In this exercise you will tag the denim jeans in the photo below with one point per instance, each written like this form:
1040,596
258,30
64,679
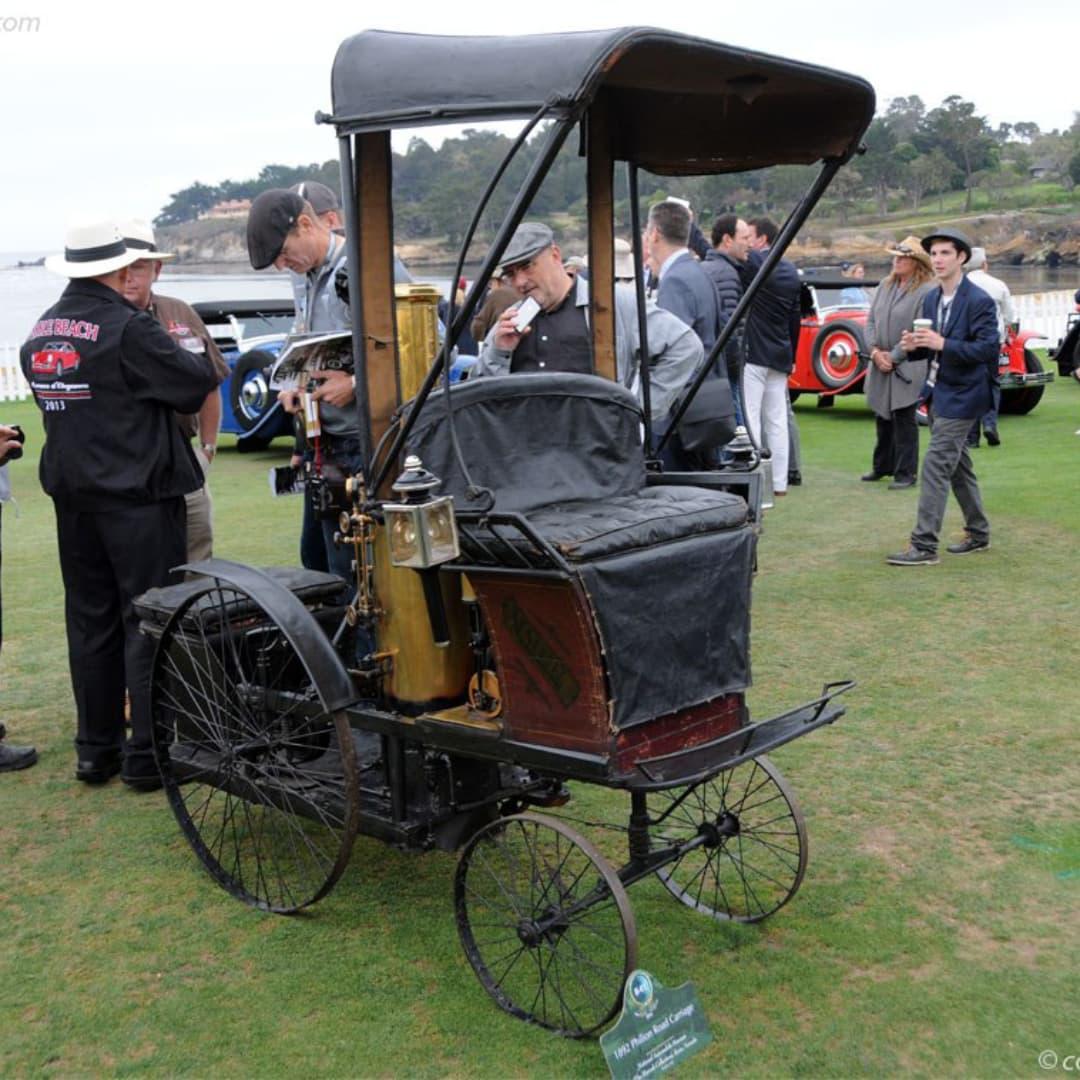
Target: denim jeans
989,419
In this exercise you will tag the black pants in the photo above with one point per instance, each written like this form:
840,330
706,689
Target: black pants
107,559
897,450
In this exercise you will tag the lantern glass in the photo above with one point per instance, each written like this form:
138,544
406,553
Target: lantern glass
422,535
441,530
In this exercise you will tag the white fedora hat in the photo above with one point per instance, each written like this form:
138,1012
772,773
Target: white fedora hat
138,235
92,249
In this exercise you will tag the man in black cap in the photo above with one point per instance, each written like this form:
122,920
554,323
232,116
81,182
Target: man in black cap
958,334
285,232
558,339
108,379
324,202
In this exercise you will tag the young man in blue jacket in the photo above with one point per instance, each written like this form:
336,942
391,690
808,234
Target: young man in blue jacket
962,344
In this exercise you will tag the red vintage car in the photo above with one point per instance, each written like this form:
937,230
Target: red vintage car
832,356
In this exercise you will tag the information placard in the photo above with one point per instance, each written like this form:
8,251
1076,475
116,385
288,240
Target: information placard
657,1029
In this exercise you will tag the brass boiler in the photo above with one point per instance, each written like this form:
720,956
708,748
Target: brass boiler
421,673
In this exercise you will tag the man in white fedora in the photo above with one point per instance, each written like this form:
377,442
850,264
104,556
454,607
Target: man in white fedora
108,379
183,324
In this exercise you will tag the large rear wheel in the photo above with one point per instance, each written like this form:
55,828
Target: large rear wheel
260,777
545,923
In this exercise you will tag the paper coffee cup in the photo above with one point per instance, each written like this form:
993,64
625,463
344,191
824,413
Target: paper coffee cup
922,324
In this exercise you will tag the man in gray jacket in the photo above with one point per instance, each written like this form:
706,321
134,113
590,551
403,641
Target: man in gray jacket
558,339
284,231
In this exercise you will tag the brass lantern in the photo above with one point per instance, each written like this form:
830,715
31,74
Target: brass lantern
421,529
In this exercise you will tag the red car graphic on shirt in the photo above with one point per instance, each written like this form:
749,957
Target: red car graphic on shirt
56,359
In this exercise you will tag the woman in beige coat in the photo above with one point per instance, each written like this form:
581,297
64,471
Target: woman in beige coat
893,382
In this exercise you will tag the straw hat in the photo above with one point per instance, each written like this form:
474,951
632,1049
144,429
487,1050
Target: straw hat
911,246
139,237
92,249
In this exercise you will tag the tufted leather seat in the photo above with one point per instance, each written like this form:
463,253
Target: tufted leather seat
657,515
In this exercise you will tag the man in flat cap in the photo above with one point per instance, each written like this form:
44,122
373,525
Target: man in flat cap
183,324
108,380
284,231
327,206
959,336
559,339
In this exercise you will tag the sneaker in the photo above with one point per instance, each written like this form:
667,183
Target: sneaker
899,485
914,557
992,438
968,546
872,477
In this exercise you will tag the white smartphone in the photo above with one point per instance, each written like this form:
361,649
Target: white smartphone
525,314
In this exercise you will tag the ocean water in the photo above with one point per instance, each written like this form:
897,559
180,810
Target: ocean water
25,292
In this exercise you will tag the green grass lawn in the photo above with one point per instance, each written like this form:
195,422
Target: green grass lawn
937,930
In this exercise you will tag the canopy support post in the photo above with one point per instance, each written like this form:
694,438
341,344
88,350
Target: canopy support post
600,177
642,313
375,218
356,313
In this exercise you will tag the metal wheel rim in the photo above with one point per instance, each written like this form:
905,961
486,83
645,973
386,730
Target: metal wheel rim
257,850
254,397
753,874
560,875
839,355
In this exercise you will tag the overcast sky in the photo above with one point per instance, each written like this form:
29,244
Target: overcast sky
108,108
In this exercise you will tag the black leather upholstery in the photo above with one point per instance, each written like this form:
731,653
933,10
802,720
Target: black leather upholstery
656,515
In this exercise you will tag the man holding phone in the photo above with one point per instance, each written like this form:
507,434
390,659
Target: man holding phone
958,333
557,337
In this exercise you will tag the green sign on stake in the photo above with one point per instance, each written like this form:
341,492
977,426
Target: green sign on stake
657,1029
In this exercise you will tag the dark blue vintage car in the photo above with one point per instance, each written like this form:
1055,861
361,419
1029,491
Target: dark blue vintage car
250,334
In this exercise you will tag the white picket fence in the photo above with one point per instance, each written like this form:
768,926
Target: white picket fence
13,386
1046,313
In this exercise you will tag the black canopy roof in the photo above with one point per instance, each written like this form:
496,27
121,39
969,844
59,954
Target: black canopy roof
681,105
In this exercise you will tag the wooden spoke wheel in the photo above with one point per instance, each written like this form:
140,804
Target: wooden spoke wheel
545,923
754,855
261,779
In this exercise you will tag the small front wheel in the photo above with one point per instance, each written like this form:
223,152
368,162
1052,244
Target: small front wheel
753,856
546,923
